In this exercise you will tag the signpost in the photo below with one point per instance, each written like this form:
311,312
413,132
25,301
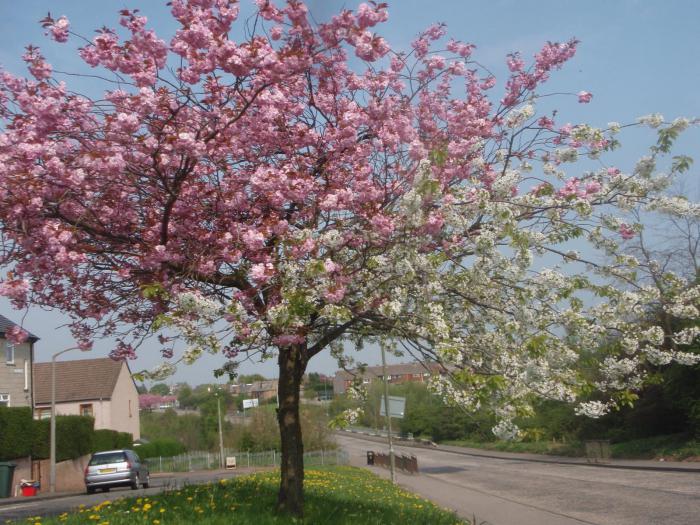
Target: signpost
249,403
397,407
387,411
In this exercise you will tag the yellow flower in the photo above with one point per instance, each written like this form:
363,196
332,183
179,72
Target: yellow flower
147,507
156,522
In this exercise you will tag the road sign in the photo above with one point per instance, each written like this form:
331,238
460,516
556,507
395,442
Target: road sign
397,406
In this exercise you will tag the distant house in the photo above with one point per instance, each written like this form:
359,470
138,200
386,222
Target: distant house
101,388
261,390
15,368
402,373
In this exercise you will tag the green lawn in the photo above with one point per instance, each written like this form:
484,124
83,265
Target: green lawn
339,495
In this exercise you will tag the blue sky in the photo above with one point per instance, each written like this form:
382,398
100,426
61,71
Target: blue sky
636,57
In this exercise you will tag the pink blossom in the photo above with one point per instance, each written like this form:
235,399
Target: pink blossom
584,97
329,266
16,290
593,187
276,33
382,225
626,231
282,341
335,295
59,30
261,272
17,335
122,352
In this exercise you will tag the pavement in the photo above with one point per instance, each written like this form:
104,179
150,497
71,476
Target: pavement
166,478
629,464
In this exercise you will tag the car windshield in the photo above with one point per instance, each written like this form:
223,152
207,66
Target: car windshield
103,459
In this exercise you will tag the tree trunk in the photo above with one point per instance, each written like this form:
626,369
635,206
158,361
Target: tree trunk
292,363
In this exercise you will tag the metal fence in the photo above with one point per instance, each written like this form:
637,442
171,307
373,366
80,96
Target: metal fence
198,460
401,461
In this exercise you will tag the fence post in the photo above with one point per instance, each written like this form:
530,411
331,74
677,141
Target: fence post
189,461
321,457
248,454
274,460
160,461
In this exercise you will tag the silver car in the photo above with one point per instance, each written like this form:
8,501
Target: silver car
115,468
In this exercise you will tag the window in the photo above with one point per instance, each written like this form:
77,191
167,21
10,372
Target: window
4,400
86,410
43,413
9,353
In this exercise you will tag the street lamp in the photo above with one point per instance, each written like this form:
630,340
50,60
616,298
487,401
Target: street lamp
221,435
52,437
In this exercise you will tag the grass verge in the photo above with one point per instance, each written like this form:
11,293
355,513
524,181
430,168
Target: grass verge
339,495
676,447
531,447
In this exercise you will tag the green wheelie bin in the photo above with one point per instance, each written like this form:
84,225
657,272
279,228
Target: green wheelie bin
7,472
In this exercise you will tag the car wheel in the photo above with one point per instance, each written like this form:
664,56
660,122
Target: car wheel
147,482
135,484
90,490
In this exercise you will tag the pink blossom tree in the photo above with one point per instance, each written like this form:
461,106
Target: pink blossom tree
262,195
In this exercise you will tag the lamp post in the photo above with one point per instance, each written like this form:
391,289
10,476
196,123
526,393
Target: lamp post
52,436
221,434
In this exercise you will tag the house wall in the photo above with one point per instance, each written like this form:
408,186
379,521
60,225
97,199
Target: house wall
100,411
125,405
14,377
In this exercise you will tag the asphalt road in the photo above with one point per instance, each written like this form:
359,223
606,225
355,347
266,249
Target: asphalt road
508,492
22,508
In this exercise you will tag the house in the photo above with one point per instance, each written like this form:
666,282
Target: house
261,390
401,373
102,388
15,368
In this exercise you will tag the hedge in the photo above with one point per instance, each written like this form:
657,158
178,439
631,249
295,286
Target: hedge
105,439
16,432
74,437
22,436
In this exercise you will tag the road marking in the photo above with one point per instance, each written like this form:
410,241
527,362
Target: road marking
19,506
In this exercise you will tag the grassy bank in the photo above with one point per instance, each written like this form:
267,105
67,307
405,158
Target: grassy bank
675,447
340,495
530,447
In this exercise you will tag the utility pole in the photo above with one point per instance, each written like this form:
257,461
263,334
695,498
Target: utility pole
388,418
